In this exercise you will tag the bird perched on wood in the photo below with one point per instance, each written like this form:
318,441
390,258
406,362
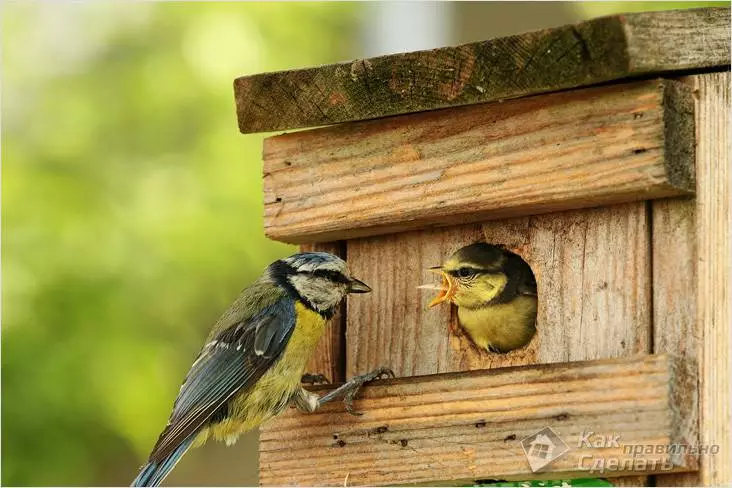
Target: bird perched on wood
251,366
495,294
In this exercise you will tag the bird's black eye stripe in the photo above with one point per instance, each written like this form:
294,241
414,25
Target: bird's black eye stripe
467,272
335,276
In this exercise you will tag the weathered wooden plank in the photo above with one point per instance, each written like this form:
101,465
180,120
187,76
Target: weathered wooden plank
675,325
593,276
470,425
582,54
568,150
707,40
329,356
713,272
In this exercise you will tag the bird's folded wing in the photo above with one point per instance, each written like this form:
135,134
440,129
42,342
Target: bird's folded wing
235,360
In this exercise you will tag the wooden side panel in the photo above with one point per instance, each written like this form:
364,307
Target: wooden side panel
675,326
593,274
536,155
714,281
467,426
329,357
692,286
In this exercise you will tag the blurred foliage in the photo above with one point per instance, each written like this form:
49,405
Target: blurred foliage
597,9
132,212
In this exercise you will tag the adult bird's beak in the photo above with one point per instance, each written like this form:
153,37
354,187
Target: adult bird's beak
446,289
358,286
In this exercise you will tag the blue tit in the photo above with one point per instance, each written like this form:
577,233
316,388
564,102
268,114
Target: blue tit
495,294
251,366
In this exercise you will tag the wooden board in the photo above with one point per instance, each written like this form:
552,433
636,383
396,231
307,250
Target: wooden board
468,426
675,325
582,54
593,274
713,273
692,285
329,356
568,150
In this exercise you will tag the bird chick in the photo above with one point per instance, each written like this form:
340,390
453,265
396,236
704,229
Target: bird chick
252,364
495,294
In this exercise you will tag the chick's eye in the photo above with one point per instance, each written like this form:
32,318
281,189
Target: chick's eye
465,272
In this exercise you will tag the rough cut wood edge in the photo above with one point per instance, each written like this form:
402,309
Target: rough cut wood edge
329,357
561,151
582,54
713,231
467,426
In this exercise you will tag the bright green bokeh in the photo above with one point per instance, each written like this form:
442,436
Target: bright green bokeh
132,212
597,9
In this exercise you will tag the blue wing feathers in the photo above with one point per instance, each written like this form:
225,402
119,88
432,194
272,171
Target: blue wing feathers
153,473
225,367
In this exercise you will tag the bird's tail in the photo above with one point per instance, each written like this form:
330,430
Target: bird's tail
154,472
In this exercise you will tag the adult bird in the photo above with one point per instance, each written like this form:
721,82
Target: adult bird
495,294
251,366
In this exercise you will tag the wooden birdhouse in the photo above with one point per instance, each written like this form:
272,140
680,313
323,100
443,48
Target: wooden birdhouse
599,153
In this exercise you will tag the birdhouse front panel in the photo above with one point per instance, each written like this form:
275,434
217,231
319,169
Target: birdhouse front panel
617,198
593,274
406,193
564,181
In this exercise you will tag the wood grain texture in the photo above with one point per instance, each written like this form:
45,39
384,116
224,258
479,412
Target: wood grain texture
675,325
593,276
713,286
691,246
582,54
329,356
628,481
467,426
568,150
392,325
706,44
616,235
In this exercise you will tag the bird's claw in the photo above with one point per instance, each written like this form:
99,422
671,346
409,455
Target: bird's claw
358,381
312,379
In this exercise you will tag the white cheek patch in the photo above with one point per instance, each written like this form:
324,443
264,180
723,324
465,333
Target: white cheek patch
321,292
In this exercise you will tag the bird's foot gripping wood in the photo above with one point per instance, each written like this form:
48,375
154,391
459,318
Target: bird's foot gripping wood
310,402
312,379
351,387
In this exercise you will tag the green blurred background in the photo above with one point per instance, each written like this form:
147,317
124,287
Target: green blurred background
132,208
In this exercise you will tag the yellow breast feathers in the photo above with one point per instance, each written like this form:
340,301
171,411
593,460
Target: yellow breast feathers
271,394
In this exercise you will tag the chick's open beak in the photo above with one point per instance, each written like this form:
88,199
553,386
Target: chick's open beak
446,288
358,286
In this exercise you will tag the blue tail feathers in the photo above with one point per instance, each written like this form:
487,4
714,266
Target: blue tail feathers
153,473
